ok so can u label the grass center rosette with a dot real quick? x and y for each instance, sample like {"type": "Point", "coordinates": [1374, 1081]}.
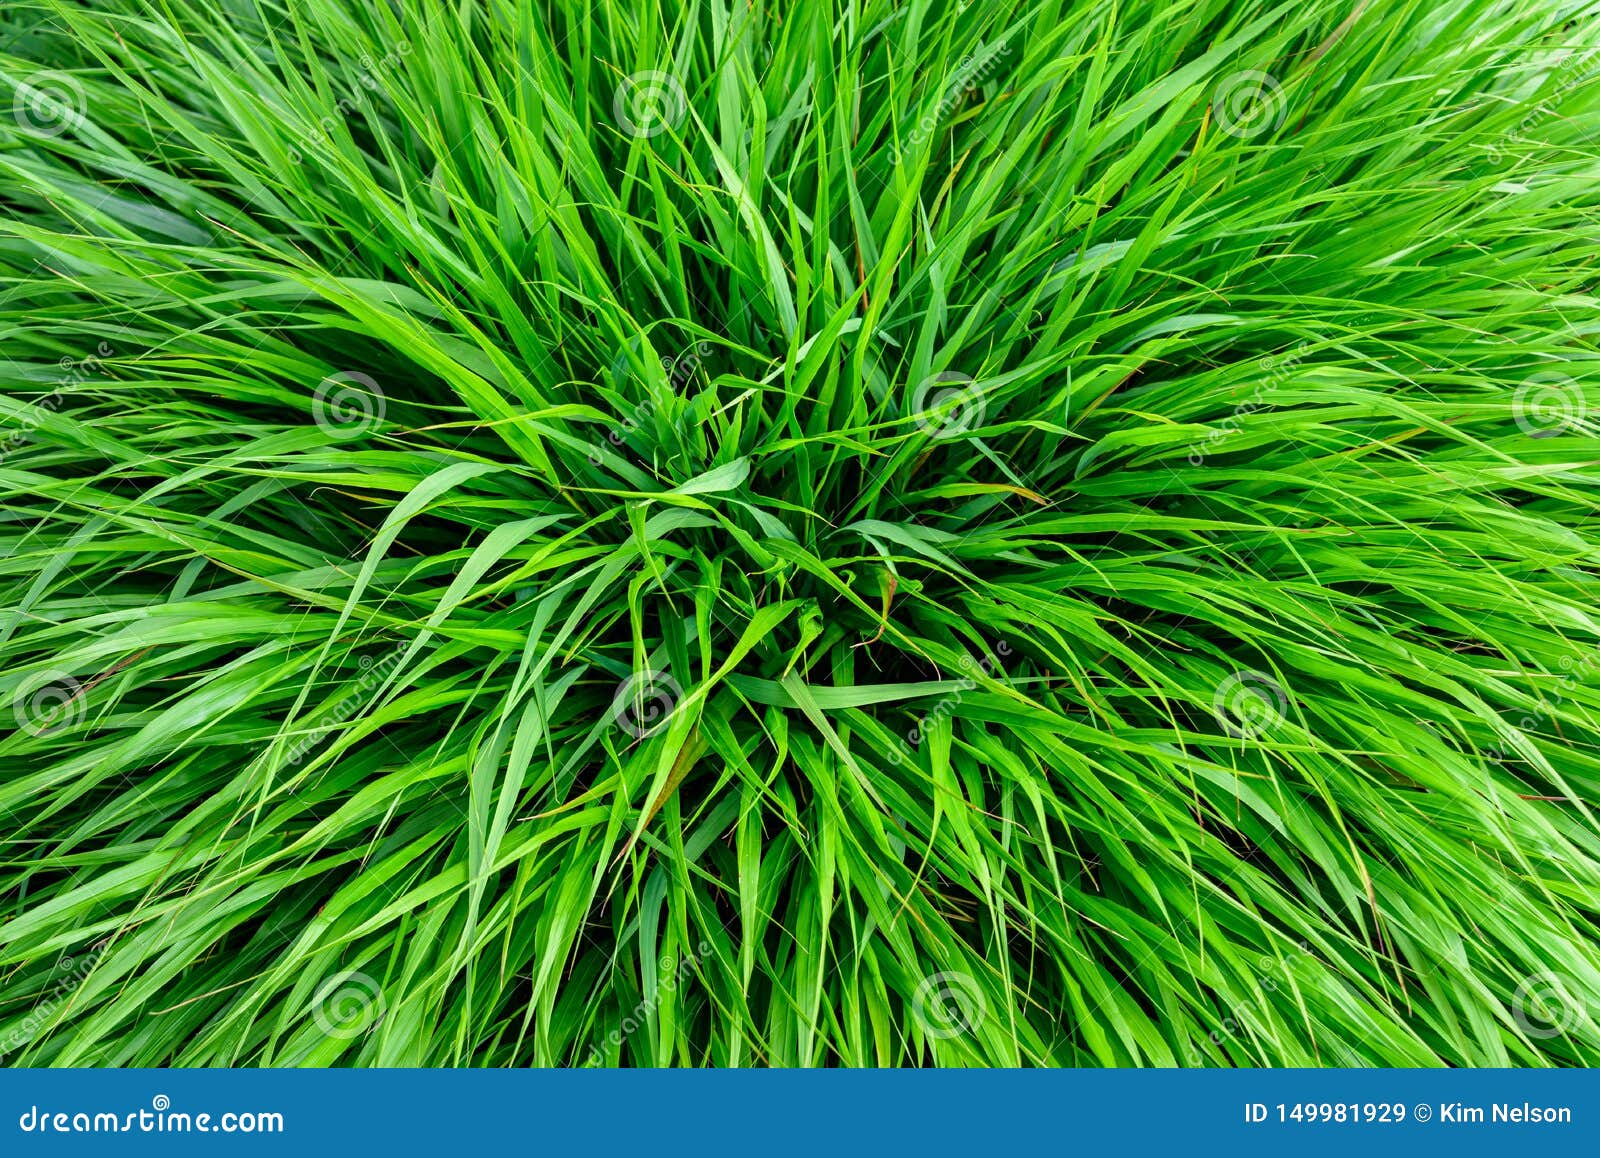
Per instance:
{"type": "Point", "coordinates": [800, 535]}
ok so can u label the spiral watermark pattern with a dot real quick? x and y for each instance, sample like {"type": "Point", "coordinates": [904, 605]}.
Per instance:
{"type": "Point", "coordinates": [949, 1004]}
{"type": "Point", "coordinates": [1248, 104]}
{"type": "Point", "coordinates": [348, 1004]}
{"type": "Point", "coordinates": [644, 701]}
{"type": "Point", "coordinates": [48, 702]}
{"type": "Point", "coordinates": [49, 103]}
{"type": "Point", "coordinates": [348, 404]}
{"type": "Point", "coordinates": [1545, 1005]}
{"type": "Point", "coordinates": [948, 404]}
{"type": "Point", "coordinates": [1249, 703]}
{"type": "Point", "coordinates": [1548, 403]}
{"type": "Point", "coordinates": [647, 103]}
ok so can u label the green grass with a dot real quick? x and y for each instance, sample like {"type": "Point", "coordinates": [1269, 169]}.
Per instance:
{"type": "Point", "coordinates": [851, 533]}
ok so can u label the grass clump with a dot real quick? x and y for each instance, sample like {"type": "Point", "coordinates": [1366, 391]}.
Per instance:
{"type": "Point", "coordinates": [804, 534]}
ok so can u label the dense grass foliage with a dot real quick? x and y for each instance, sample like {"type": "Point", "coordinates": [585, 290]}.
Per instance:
{"type": "Point", "coordinates": [851, 532]}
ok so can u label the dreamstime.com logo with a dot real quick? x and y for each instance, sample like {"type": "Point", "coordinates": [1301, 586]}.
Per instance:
{"type": "Point", "coordinates": [68, 975]}
{"type": "Point", "coordinates": [346, 106]}
{"type": "Point", "coordinates": [671, 973]}
{"type": "Point", "coordinates": [1574, 70]}
{"type": "Point", "coordinates": [680, 372]}
{"type": "Point", "coordinates": [1274, 972]}
{"type": "Point", "coordinates": [971, 72]}
{"type": "Point", "coordinates": [647, 103]}
{"type": "Point", "coordinates": [1248, 104]}
{"type": "Point", "coordinates": [373, 673]}
{"type": "Point", "coordinates": [347, 404]}
{"type": "Point", "coordinates": [1249, 703]}
{"type": "Point", "coordinates": [1549, 403]}
{"type": "Point", "coordinates": [1578, 671]}
{"type": "Point", "coordinates": [1273, 369]}
{"type": "Point", "coordinates": [348, 1004]}
{"type": "Point", "coordinates": [74, 373]}
{"type": "Point", "coordinates": [1547, 1005]}
{"type": "Point", "coordinates": [160, 1118]}
{"type": "Point", "coordinates": [949, 1004]}
{"type": "Point", "coordinates": [48, 702]}
{"type": "Point", "coordinates": [49, 103]}
{"type": "Point", "coordinates": [948, 404]}
{"type": "Point", "coordinates": [644, 701]}
{"type": "Point", "coordinates": [988, 666]}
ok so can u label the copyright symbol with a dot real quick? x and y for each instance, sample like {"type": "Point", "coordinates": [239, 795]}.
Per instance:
{"type": "Point", "coordinates": [1422, 1112]}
